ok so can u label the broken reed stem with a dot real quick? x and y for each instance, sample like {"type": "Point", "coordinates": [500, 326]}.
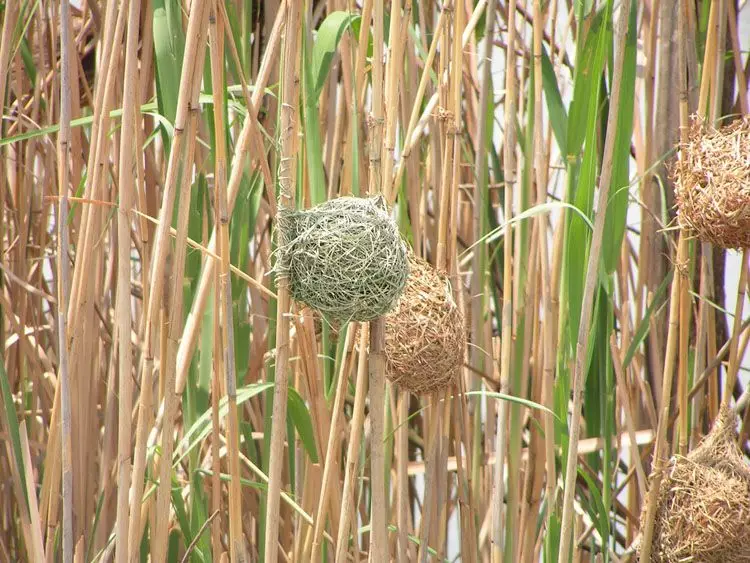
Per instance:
{"type": "Point", "coordinates": [592, 277]}
{"type": "Point", "coordinates": [352, 453]}
{"type": "Point", "coordinates": [287, 185]}
{"type": "Point", "coordinates": [63, 279]}
{"type": "Point", "coordinates": [224, 288]}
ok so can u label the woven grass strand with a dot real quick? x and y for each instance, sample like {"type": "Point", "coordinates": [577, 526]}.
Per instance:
{"type": "Point", "coordinates": [712, 183]}
{"type": "Point", "coordinates": [424, 334]}
{"type": "Point", "coordinates": [344, 258]}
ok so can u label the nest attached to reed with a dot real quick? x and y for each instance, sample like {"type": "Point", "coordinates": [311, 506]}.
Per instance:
{"type": "Point", "coordinates": [345, 258]}
{"type": "Point", "coordinates": [712, 183]}
{"type": "Point", "coordinates": [703, 510]}
{"type": "Point", "coordinates": [424, 333]}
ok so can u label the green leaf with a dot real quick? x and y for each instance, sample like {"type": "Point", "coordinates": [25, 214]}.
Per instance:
{"type": "Point", "coordinates": [201, 428]}
{"type": "Point", "coordinates": [558, 116]}
{"type": "Point", "coordinates": [300, 416]}
{"type": "Point", "coordinates": [617, 206]}
{"type": "Point", "coordinates": [326, 42]}
{"type": "Point", "coordinates": [11, 423]}
{"type": "Point", "coordinates": [644, 326]}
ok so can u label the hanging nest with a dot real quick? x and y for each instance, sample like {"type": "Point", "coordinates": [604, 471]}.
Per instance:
{"type": "Point", "coordinates": [344, 258]}
{"type": "Point", "coordinates": [712, 183]}
{"type": "Point", "coordinates": [424, 334]}
{"type": "Point", "coordinates": [703, 510]}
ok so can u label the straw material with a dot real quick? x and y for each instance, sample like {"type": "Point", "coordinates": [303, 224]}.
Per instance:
{"type": "Point", "coordinates": [344, 258]}
{"type": "Point", "coordinates": [712, 183]}
{"type": "Point", "coordinates": [424, 334]}
{"type": "Point", "coordinates": [703, 511]}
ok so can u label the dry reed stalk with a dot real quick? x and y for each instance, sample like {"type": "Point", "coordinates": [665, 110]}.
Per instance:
{"type": "Point", "coordinates": [81, 319]}
{"type": "Point", "coordinates": [541, 159]}
{"type": "Point", "coordinates": [248, 139]}
{"type": "Point", "coordinates": [684, 299]}
{"type": "Point", "coordinates": [123, 305]}
{"type": "Point", "coordinates": [224, 288]}
{"type": "Point", "coordinates": [393, 188]}
{"type": "Point", "coordinates": [11, 14]}
{"type": "Point", "coordinates": [216, 529]}
{"type": "Point", "coordinates": [590, 286]}
{"type": "Point", "coordinates": [34, 522]}
{"type": "Point", "coordinates": [402, 478]}
{"type": "Point", "coordinates": [376, 355]}
{"type": "Point", "coordinates": [481, 166]}
{"type": "Point", "coordinates": [178, 178]}
{"type": "Point", "coordinates": [287, 181]}
{"type": "Point", "coordinates": [509, 173]}
{"type": "Point", "coordinates": [331, 449]}
{"type": "Point", "coordinates": [661, 446]}
{"type": "Point", "coordinates": [626, 405]}
{"type": "Point", "coordinates": [734, 357]}
{"type": "Point", "coordinates": [352, 457]}
{"type": "Point", "coordinates": [63, 281]}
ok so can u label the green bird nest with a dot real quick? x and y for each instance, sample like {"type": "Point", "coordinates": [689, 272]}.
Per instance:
{"type": "Point", "coordinates": [424, 333]}
{"type": "Point", "coordinates": [712, 183]}
{"type": "Point", "coordinates": [345, 258]}
{"type": "Point", "coordinates": [703, 508]}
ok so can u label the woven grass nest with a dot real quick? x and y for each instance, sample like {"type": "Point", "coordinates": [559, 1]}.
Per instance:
{"type": "Point", "coordinates": [345, 258]}
{"type": "Point", "coordinates": [424, 334]}
{"type": "Point", "coordinates": [712, 183]}
{"type": "Point", "coordinates": [703, 511]}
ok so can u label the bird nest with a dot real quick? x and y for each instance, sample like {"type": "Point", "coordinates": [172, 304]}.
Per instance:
{"type": "Point", "coordinates": [424, 334]}
{"type": "Point", "coordinates": [712, 183]}
{"type": "Point", "coordinates": [345, 258]}
{"type": "Point", "coordinates": [703, 510]}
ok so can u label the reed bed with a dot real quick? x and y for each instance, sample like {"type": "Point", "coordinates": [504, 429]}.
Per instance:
{"type": "Point", "coordinates": [351, 280]}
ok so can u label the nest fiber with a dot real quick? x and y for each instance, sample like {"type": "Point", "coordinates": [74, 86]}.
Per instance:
{"type": "Point", "coordinates": [712, 183]}
{"type": "Point", "coordinates": [703, 511]}
{"type": "Point", "coordinates": [344, 258]}
{"type": "Point", "coordinates": [424, 334]}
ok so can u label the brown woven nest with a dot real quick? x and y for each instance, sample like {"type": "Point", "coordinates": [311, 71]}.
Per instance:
{"type": "Point", "coordinates": [712, 183]}
{"type": "Point", "coordinates": [424, 334]}
{"type": "Point", "coordinates": [703, 511]}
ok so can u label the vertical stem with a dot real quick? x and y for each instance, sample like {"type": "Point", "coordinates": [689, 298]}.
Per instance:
{"type": "Point", "coordinates": [63, 273]}
{"type": "Point", "coordinates": [509, 162]}
{"type": "Point", "coordinates": [224, 288]}
{"type": "Point", "coordinates": [287, 185]}
{"type": "Point", "coordinates": [178, 178]}
{"type": "Point", "coordinates": [379, 509]}
{"type": "Point", "coordinates": [352, 457]}
{"type": "Point", "coordinates": [331, 449]}
{"type": "Point", "coordinates": [591, 286]}
{"type": "Point", "coordinates": [548, 327]}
